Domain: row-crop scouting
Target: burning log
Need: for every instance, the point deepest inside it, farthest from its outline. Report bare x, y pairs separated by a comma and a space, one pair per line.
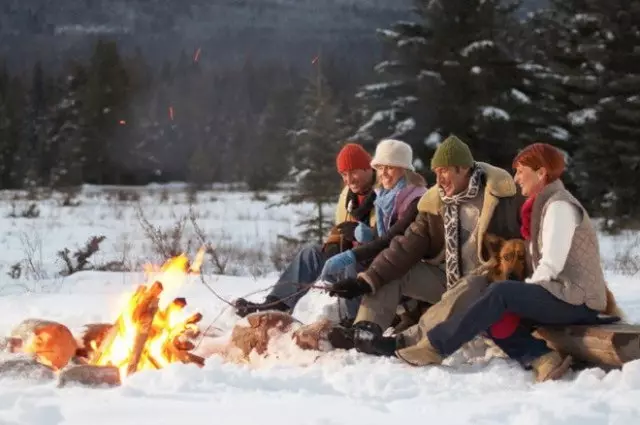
90, 375
143, 316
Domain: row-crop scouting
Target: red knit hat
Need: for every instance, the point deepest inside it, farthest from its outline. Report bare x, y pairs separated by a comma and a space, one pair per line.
353, 157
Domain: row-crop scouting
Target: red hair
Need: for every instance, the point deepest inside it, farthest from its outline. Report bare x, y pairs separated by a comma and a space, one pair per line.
540, 155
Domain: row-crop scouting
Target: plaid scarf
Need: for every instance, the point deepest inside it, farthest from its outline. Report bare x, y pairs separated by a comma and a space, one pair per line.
452, 224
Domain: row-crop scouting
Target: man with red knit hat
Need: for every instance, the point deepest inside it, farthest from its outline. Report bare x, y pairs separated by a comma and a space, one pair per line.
355, 206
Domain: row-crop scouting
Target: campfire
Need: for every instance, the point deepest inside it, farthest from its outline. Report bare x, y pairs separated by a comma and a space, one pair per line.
151, 332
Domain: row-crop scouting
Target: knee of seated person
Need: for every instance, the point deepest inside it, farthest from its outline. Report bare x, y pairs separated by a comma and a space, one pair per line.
502, 287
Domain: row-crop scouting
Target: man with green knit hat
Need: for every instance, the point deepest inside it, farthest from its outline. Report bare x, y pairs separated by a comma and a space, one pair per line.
471, 199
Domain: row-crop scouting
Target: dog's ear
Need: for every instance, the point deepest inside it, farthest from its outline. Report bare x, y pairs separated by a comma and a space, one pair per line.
493, 243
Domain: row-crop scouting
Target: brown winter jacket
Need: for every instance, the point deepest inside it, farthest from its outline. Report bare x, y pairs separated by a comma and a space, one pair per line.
424, 239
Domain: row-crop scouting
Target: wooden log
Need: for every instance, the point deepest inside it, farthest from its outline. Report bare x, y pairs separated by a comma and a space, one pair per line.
601, 345
97, 355
143, 316
90, 375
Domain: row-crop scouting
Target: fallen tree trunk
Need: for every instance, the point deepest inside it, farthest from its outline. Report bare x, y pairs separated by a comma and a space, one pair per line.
601, 345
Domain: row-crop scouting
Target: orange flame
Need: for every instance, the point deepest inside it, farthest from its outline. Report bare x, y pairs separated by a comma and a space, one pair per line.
145, 334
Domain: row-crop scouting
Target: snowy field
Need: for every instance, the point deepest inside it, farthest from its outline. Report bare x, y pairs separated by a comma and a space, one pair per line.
295, 388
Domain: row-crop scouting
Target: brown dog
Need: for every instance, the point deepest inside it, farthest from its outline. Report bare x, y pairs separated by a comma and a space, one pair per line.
510, 262
509, 258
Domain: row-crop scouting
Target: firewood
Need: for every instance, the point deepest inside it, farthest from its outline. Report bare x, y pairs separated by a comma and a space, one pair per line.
186, 357
601, 345
96, 356
26, 368
90, 375
144, 321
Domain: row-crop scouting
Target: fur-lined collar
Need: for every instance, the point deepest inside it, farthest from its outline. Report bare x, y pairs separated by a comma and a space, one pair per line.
498, 183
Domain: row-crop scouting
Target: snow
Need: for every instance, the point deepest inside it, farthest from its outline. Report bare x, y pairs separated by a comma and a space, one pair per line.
520, 97
583, 116
404, 126
433, 140
412, 40
426, 73
495, 113
376, 118
295, 387
476, 45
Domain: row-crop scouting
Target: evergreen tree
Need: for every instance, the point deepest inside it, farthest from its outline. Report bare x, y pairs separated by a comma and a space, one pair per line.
106, 104
67, 132
592, 84
12, 108
453, 71
319, 135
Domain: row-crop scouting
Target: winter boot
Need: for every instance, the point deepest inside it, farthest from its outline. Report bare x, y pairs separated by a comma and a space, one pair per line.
420, 354
368, 339
550, 366
244, 307
341, 337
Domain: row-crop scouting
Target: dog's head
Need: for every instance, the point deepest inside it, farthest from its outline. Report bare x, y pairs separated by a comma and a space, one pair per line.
509, 258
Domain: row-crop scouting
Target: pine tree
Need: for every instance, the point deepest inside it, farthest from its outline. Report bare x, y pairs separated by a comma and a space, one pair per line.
454, 70
274, 140
12, 109
317, 140
592, 84
67, 131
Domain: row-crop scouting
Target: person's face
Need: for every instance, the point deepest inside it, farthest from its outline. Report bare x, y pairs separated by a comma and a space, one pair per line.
359, 181
452, 180
528, 179
389, 175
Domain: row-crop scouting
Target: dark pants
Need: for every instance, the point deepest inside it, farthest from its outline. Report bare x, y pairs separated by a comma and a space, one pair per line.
303, 270
531, 302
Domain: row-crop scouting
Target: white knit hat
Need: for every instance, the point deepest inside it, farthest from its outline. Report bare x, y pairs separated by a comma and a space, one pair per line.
394, 153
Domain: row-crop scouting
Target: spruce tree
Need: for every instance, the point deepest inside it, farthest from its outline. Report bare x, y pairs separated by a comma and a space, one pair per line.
319, 136
591, 81
453, 70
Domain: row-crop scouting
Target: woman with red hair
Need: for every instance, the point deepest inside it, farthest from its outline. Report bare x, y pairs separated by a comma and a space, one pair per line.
567, 285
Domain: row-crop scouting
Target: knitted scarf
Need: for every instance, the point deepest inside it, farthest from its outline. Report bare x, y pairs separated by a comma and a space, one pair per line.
452, 224
385, 205
525, 218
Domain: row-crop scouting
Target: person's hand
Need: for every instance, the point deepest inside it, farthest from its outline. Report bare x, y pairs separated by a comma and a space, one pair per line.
350, 288
337, 263
363, 233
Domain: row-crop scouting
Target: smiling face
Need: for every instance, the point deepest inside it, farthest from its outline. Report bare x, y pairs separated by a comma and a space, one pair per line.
359, 181
530, 180
389, 175
452, 180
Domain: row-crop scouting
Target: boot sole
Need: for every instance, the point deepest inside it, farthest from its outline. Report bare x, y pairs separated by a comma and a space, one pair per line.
559, 372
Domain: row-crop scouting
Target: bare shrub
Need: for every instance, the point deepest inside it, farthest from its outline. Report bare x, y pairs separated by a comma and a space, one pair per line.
69, 196
79, 260
32, 264
30, 211
168, 242
283, 250
627, 259
164, 196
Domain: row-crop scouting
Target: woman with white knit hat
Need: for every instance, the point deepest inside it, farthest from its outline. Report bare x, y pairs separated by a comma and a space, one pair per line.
398, 188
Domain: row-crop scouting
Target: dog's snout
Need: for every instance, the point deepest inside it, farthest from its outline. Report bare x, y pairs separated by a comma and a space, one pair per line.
513, 276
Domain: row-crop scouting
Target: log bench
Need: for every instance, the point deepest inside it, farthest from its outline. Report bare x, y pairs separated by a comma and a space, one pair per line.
607, 346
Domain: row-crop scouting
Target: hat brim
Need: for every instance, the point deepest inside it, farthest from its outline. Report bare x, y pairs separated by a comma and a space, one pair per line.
375, 163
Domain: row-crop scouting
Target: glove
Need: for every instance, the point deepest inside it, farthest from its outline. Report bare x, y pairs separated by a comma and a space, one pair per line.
363, 233
337, 263
350, 288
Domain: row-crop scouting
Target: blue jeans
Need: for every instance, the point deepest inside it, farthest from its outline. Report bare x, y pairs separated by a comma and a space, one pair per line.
531, 302
305, 269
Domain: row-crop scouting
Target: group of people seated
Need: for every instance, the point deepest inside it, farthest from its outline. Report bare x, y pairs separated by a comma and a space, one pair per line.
398, 246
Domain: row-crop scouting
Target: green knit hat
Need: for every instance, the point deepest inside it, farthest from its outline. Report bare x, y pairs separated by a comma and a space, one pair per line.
453, 152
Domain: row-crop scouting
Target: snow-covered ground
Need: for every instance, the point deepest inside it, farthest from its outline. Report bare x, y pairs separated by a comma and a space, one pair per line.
297, 387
